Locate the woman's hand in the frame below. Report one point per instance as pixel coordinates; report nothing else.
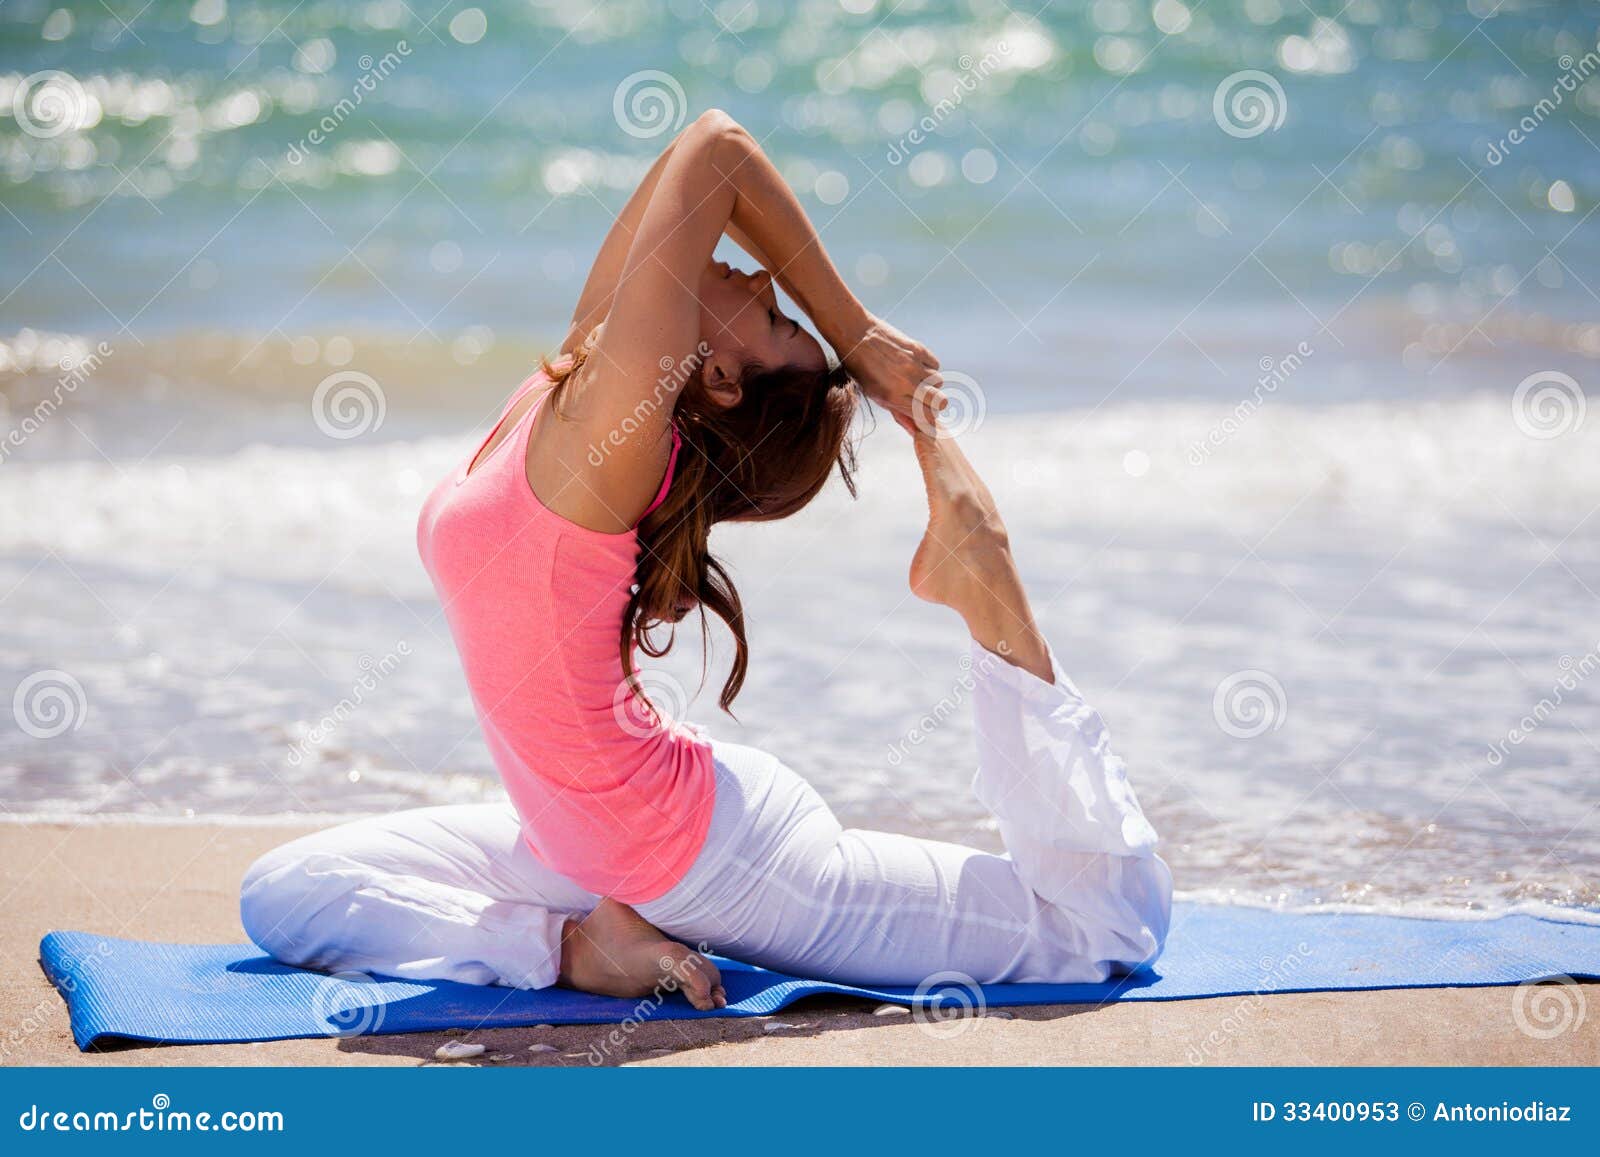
(898, 372)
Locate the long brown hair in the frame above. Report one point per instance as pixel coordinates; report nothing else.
(763, 458)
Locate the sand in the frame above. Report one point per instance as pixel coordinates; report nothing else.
(178, 882)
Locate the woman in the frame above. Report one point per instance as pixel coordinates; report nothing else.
(683, 397)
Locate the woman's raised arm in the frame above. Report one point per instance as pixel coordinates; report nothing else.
(600, 287)
(601, 465)
(769, 224)
(713, 179)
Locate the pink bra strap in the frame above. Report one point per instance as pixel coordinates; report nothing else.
(666, 480)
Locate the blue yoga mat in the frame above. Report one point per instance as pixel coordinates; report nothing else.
(197, 993)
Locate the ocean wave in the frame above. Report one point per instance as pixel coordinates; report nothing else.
(1418, 909)
(348, 513)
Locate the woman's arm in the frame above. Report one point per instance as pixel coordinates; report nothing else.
(601, 285)
(601, 466)
(892, 368)
(713, 177)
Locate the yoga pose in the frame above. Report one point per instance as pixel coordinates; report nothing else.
(683, 397)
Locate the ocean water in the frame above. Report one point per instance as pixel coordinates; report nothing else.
(1274, 331)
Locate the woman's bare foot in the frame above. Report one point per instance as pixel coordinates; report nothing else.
(614, 951)
(965, 534)
(964, 560)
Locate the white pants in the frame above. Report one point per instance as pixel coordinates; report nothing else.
(454, 893)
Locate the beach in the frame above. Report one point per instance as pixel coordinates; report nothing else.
(1279, 383)
(1270, 331)
(1346, 660)
(179, 882)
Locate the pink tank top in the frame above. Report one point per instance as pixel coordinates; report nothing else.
(612, 795)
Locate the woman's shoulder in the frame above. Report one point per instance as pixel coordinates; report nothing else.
(593, 475)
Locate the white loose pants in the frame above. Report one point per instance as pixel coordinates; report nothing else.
(454, 893)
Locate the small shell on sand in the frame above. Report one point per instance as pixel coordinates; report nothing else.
(542, 1048)
(891, 1010)
(777, 1026)
(1000, 1014)
(457, 1050)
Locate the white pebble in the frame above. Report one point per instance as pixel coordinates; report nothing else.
(1000, 1014)
(777, 1026)
(541, 1048)
(457, 1050)
(891, 1010)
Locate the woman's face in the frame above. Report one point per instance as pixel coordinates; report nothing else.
(741, 323)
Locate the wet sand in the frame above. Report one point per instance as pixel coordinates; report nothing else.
(178, 882)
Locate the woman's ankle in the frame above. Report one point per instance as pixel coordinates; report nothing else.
(1017, 643)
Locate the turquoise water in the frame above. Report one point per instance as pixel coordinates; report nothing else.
(1076, 199)
(1284, 397)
